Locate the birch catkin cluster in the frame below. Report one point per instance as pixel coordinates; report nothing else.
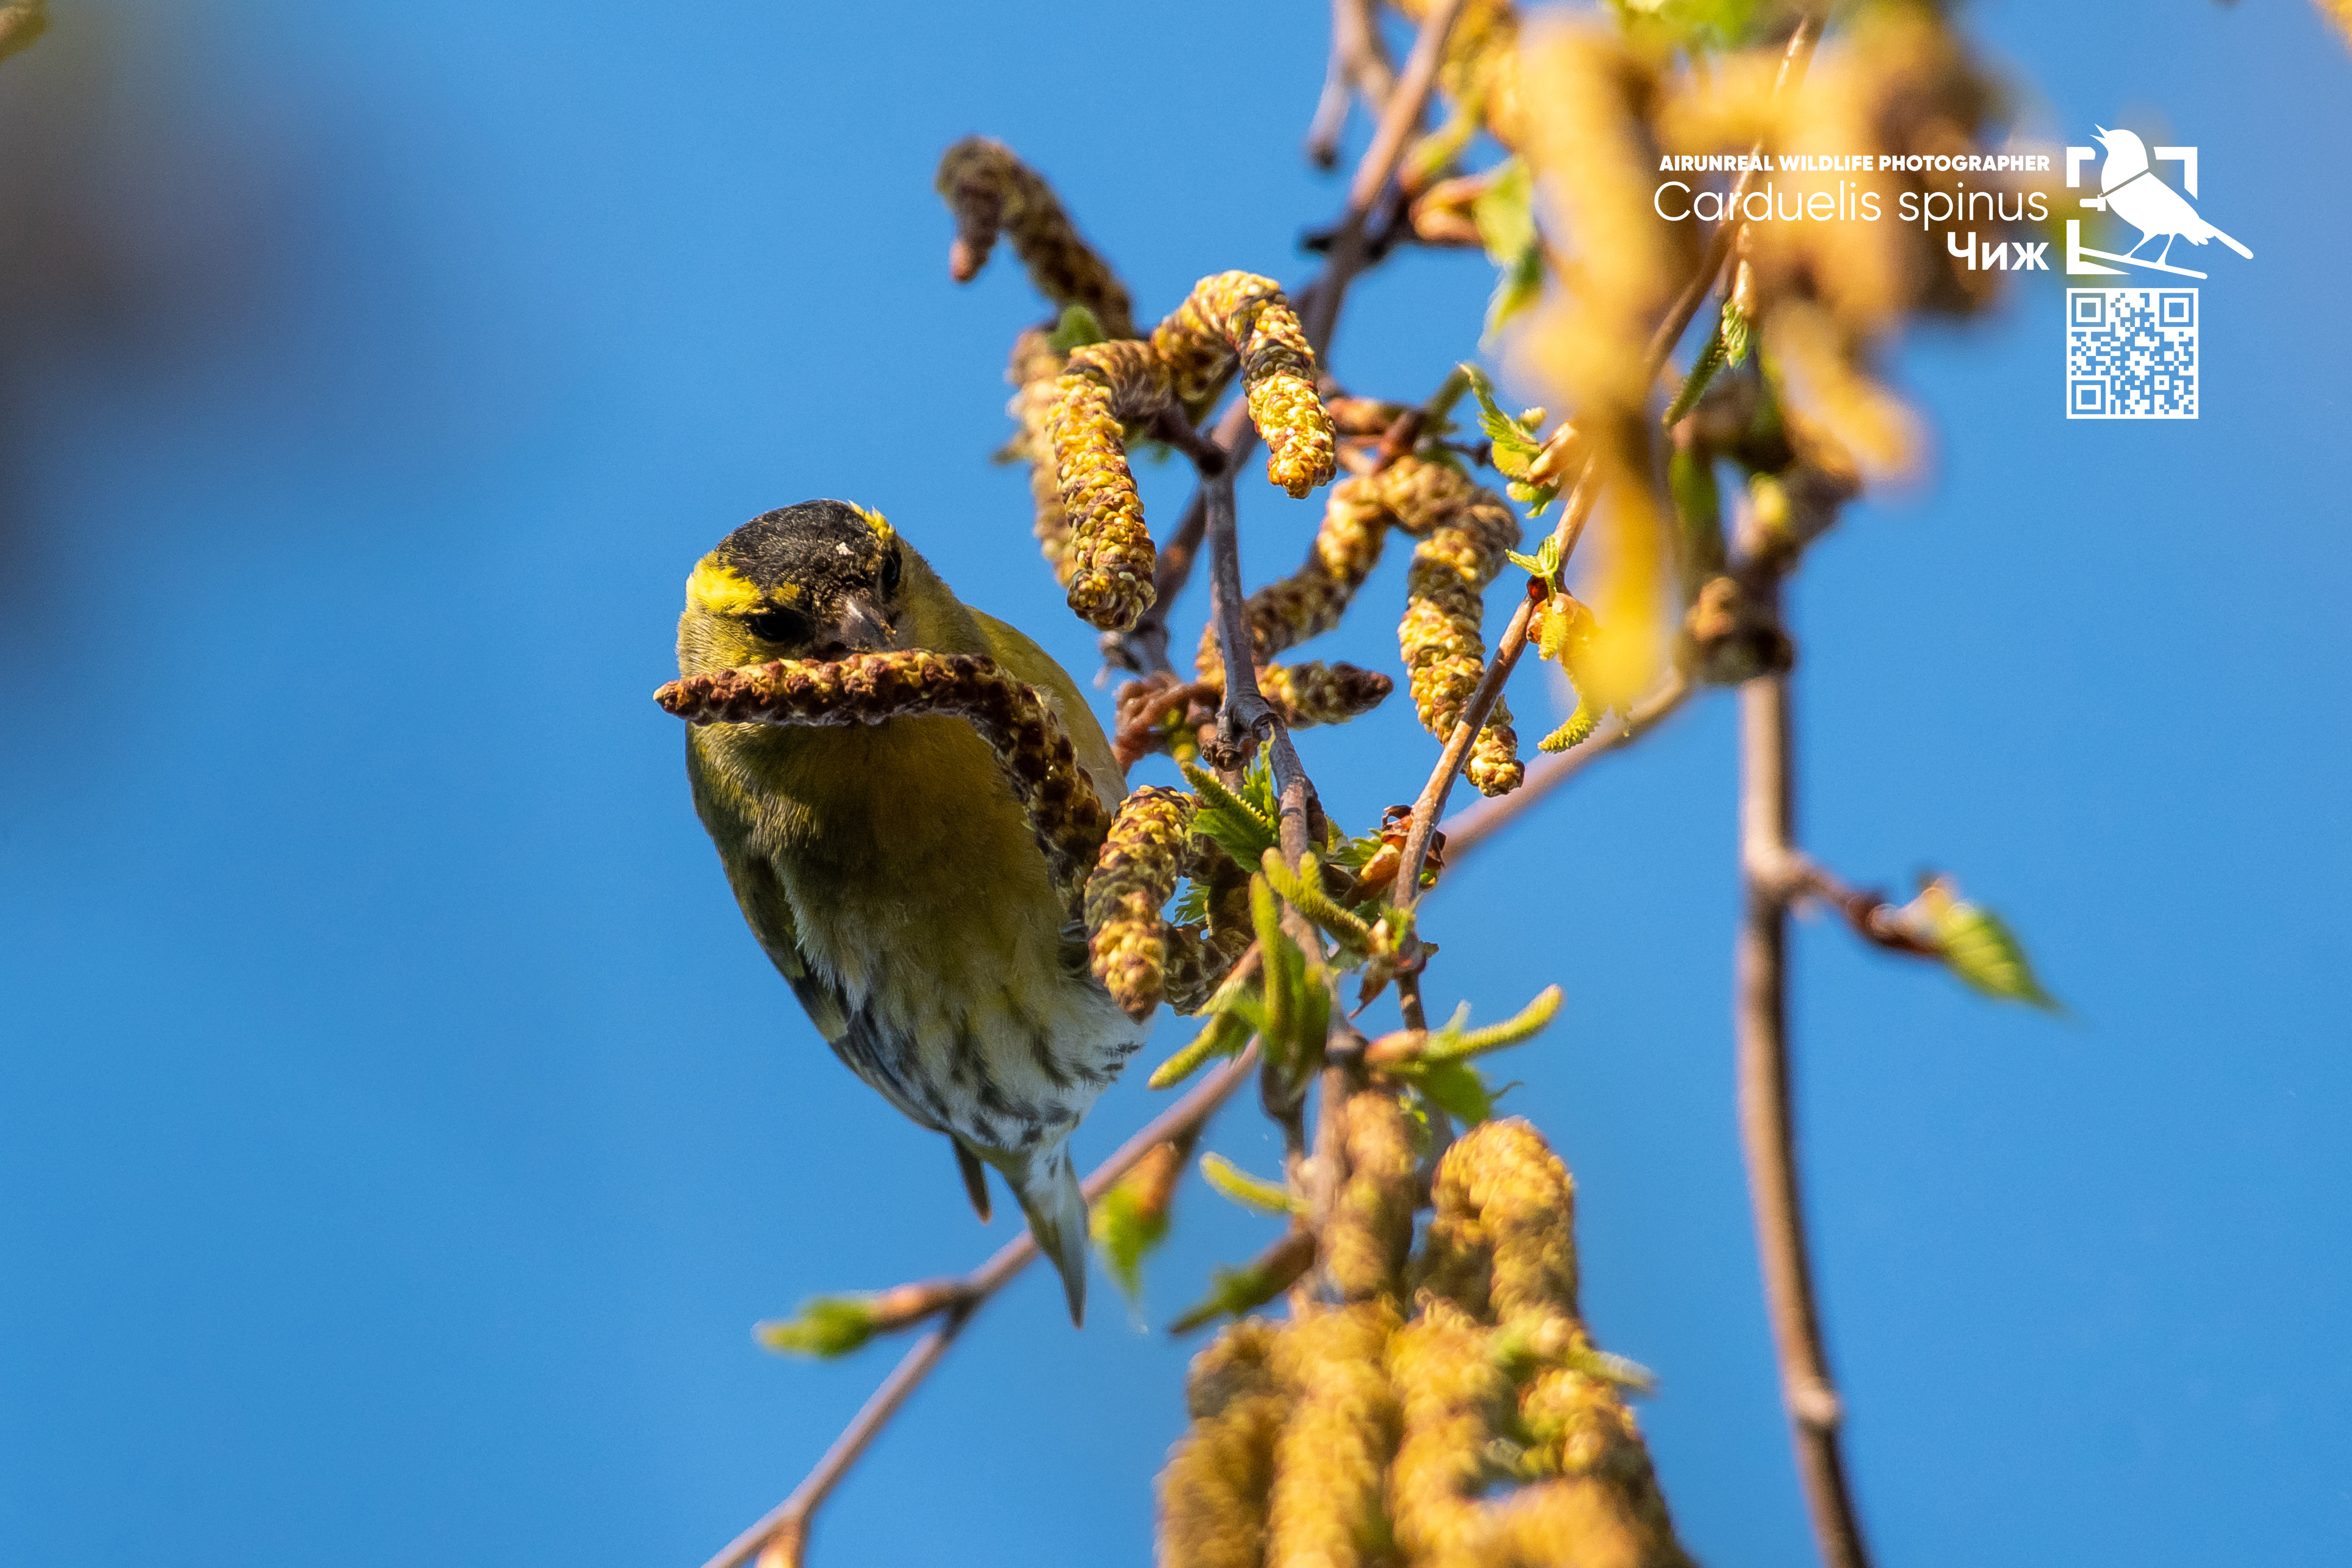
(1466, 534)
(1234, 319)
(1446, 1411)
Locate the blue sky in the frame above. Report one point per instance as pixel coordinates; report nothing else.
(400, 1133)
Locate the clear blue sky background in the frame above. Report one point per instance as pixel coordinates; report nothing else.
(399, 1134)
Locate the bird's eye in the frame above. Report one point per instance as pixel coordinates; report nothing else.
(890, 574)
(780, 626)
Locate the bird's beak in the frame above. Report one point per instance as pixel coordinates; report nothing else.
(2099, 135)
(858, 627)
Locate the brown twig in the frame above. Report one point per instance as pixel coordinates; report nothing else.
(1360, 66)
(1244, 716)
(780, 1538)
(1398, 123)
(1474, 824)
(1762, 1022)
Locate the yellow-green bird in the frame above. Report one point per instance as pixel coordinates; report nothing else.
(887, 869)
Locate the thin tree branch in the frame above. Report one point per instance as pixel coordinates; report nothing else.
(1245, 715)
(1473, 826)
(1761, 1024)
(780, 1538)
(1360, 66)
(1398, 123)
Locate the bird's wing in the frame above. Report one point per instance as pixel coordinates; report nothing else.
(768, 913)
(1032, 663)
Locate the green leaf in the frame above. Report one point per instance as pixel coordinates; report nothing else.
(1078, 327)
(1125, 1233)
(1454, 1087)
(1544, 563)
(825, 1326)
(1303, 891)
(1237, 1291)
(1516, 447)
(1227, 1032)
(1984, 954)
(1505, 212)
(1710, 360)
(1517, 288)
(1251, 1192)
(1231, 821)
(1734, 331)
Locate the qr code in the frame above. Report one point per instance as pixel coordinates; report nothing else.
(2131, 353)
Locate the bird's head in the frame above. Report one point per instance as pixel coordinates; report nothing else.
(2123, 146)
(820, 580)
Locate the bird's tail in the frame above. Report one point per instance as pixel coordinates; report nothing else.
(2231, 243)
(1048, 1190)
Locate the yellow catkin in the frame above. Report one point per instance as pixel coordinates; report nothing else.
(1311, 601)
(1035, 368)
(1501, 1250)
(990, 190)
(1452, 1397)
(1439, 636)
(1241, 318)
(1371, 1228)
(1133, 877)
(1504, 1199)
(1316, 693)
(1327, 1509)
(1213, 1490)
(1110, 550)
(1598, 1501)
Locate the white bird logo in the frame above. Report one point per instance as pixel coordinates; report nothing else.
(2132, 189)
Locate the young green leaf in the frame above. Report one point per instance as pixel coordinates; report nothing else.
(1518, 287)
(1505, 212)
(1231, 821)
(825, 1327)
(1251, 1192)
(1125, 1232)
(1982, 952)
(1078, 327)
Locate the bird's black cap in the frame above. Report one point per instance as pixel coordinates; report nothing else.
(820, 546)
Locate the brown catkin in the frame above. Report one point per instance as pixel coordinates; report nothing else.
(1016, 719)
(1195, 965)
(1468, 533)
(1133, 877)
(989, 189)
(1240, 317)
(1330, 1461)
(1316, 693)
(1110, 550)
(1371, 1228)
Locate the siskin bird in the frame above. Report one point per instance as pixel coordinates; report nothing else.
(887, 869)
